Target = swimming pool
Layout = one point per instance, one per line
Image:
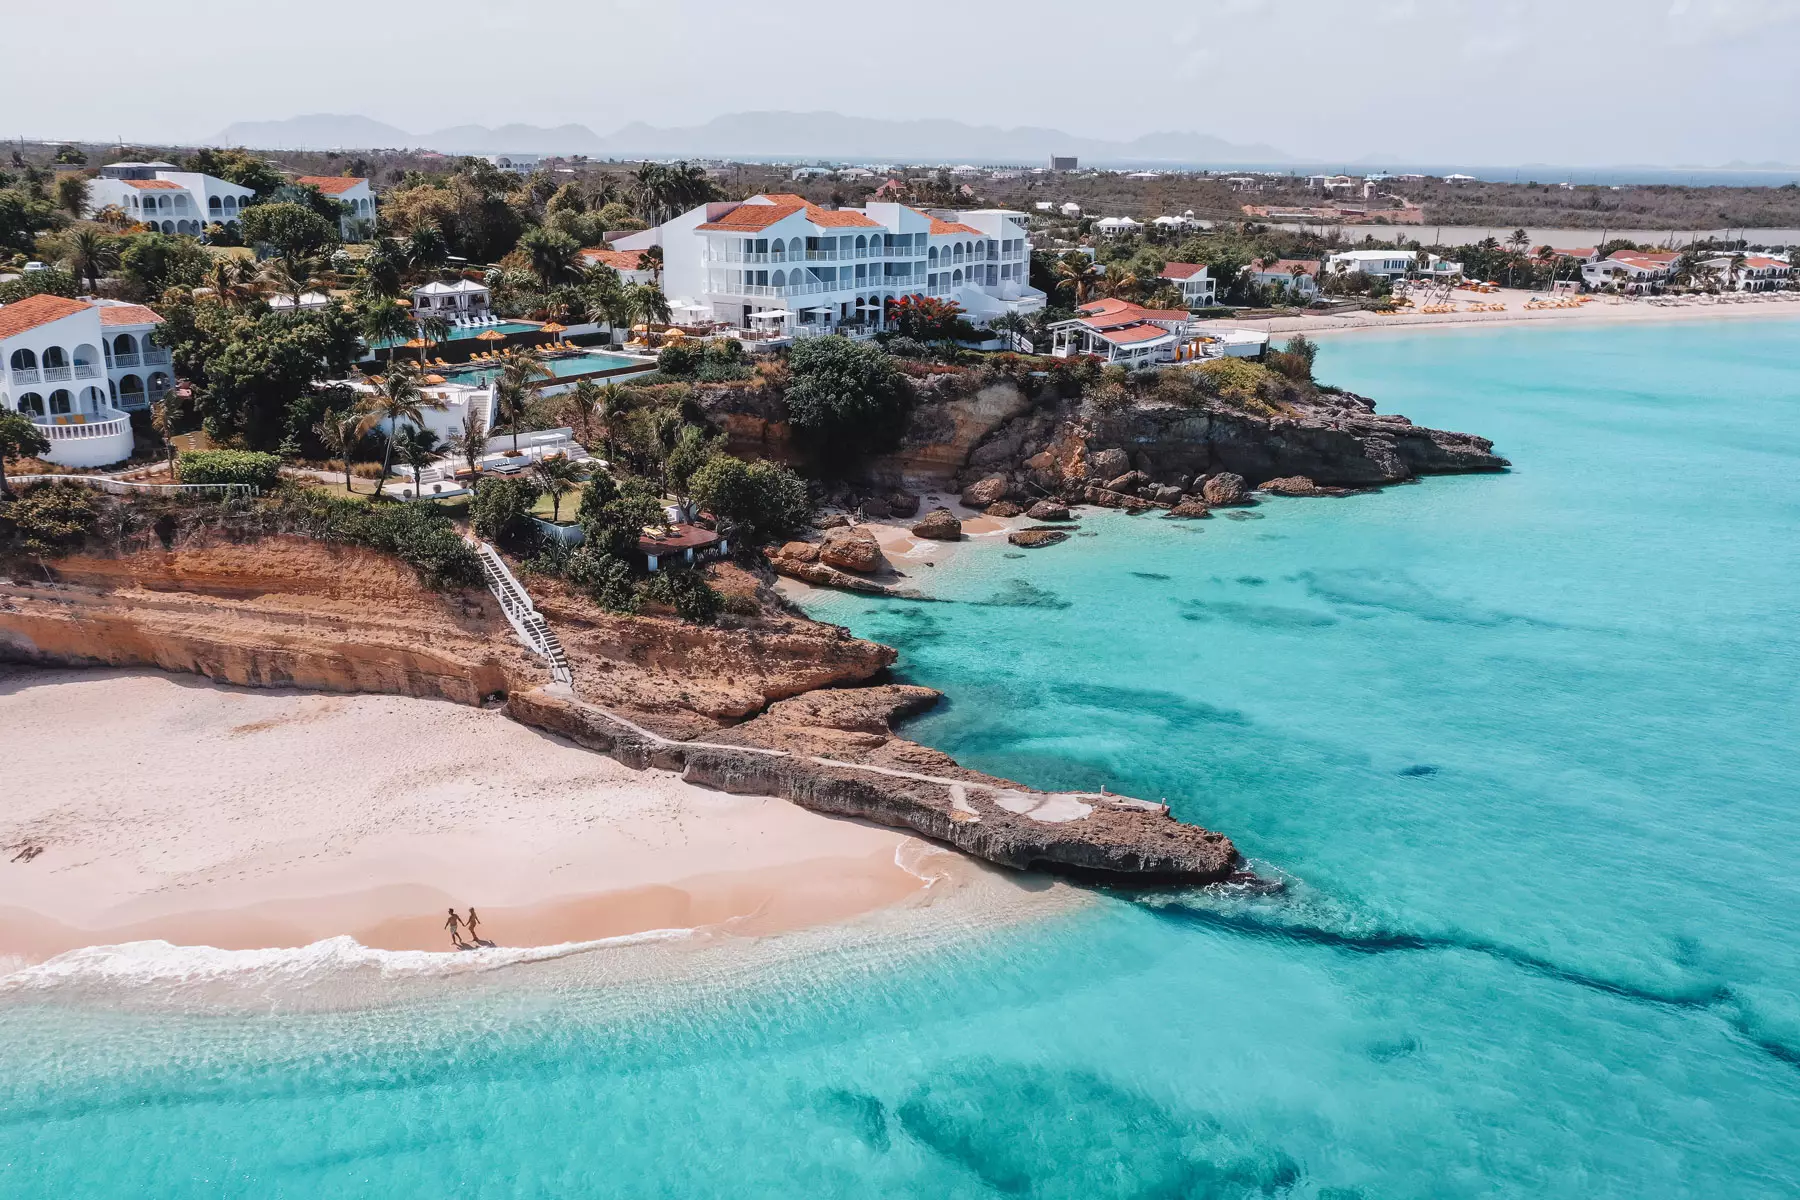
(464, 332)
(585, 363)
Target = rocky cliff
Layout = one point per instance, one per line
(766, 703)
(966, 426)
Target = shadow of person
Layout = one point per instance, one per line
(485, 944)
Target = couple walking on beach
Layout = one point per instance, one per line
(457, 925)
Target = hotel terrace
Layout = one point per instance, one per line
(803, 269)
(164, 197)
(77, 368)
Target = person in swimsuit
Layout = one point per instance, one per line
(454, 924)
(470, 925)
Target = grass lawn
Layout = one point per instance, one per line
(570, 504)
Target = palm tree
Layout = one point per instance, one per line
(1114, 285)
(382, 320)
(426, 249)
(337, 430)
(1015, 325)
(91, 253)
(558, 477)
(431, 329)
(396, 399)
(471, 442)
(517, 386)
(584, 401)
(418, 446)
(647, 301)
(1079, 277)
(294, 275)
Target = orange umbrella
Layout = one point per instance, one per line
(415, 344)
(491, 335)
(552, 327)
(435, 379)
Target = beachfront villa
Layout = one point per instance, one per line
(1756, 273)
(1198, 288)
(164, 197)
(1392, 264)
(1630, 270)
(458, 301)
(1298, 276)
(1118, 331)
(357, 222)
(798, 269)
(78, 368)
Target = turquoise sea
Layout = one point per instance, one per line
(1523, 746)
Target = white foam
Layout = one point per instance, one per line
(151, 963)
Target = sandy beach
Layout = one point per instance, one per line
(1599, 310)
(149, 806)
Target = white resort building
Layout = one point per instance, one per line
(1198, 288)
(1391, 264)
(162, 196)
(810, 270)
(1117, 331)
(1755, 273)
(77, 368)
(357, 222)
(1299, 276)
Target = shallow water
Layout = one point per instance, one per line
(1522, 744)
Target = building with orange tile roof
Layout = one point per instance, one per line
(783, 262)
(77, 368)
(357, 221)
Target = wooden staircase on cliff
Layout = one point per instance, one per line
(533, 632)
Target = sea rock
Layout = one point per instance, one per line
(1048, 510)
(876, 509)
(1224, 489)
(1107, 464)
(903, 504)
(1167, 495)
(1131, 481)
(799, 551)
(851, 549)
(1031, 539)
(1190, 507)
(1003, 509)
(1292, 485)
(986, 491)
(1300, 485)
(834, 521)
(938, 525)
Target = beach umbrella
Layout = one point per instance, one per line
(490, 335)
(435, 379)
(552, 327)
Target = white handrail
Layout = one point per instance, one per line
(106, 484)
(533, 632)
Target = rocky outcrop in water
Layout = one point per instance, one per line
(851, 548)
(939, 525)
(1032, 539)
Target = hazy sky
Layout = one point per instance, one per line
(1587, 82)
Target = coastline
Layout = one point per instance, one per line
(249, 819)
(1601, 311)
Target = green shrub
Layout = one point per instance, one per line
(50, 520)
(678, 360)
(418, 534)
(766, 499)
(501, 509)
(686, 591)
(230, 466)
(605, 578)
(846, 399)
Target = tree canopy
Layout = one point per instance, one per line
(846, 399)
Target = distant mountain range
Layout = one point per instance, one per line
(780, 136)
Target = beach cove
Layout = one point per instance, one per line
(1518, 744)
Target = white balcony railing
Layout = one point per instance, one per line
(102, 425)
(126, 360)
(86, 371)
(156, 358)
(57, 374)
(23, 375)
